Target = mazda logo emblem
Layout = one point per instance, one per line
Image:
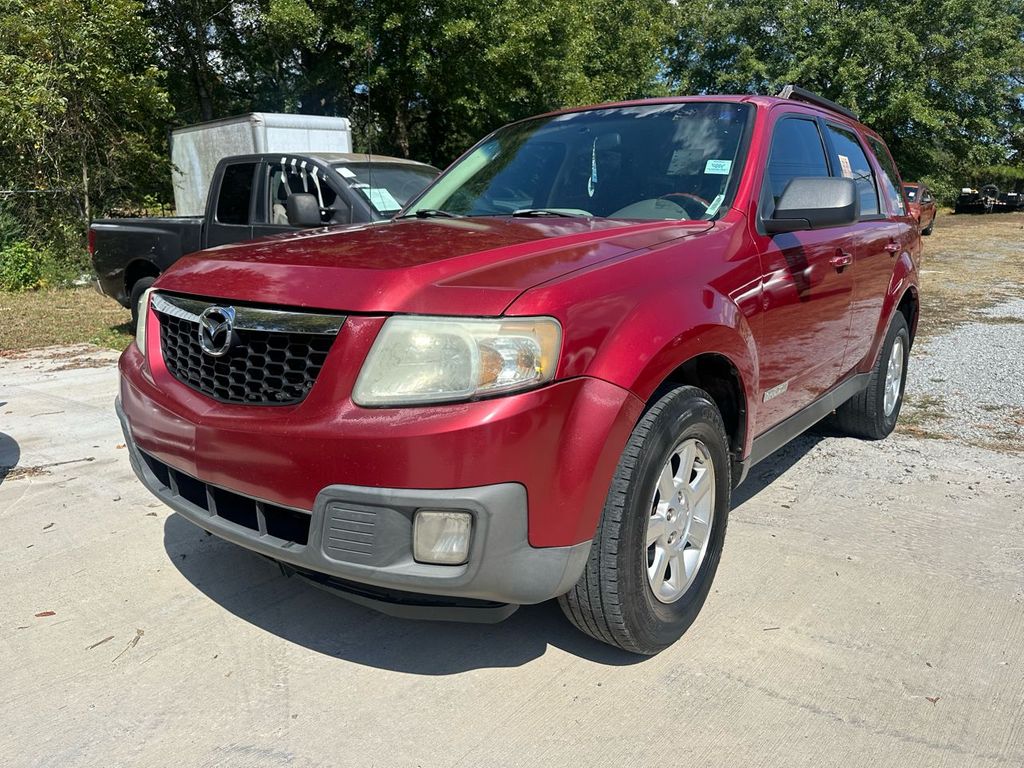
(217, 330)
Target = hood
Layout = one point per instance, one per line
(466, 266)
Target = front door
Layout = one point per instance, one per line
(807, 285)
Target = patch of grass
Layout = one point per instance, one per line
(922, 416)
(970, 263)
(62, 316)
(1000, 320)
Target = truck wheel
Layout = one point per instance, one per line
(872, 412)
(660, 536)
(931, 226)
(141, 285)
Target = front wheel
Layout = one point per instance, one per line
(141, 285)
(661, 532)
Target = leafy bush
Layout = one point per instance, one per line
(20, 267)
(11, 228)
(24, 267)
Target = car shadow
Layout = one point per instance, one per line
(255, 590)
(10, 454)
(777, 464)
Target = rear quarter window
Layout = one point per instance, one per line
(235, 194)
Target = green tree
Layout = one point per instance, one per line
(938, 78)
(422, 79)
(83, 115)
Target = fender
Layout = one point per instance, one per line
(634, 321)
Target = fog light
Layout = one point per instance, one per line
(441, 537)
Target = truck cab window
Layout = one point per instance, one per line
(285, 180)
(796, 151)
(235, 194)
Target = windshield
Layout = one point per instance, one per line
(911, 193)
(387, 187)
(666, 161)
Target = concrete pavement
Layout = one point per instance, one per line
(869, 610)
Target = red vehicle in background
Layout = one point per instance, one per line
(544, 378)
(922, 206)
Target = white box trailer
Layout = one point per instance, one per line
(196, 149)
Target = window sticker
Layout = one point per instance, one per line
(715, 205)
(718, 167)
(844, 164)
(346, 172)
(381, 199)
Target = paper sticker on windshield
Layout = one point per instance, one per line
(718, 167)
(715, 205)
(346, 172)
(844, 165)
(381, 199)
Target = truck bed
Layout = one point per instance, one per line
(120, 245)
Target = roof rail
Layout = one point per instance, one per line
(796, 93)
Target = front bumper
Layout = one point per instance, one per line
(503, 568)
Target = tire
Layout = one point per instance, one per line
(141, 285)
(614, 601)
(866, 414)
(931, 226)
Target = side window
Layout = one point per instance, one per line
(285, 180)
(235, 194)
(852, 163)
(796, 151)
(889, 176)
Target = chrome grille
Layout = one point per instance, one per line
(274, 358)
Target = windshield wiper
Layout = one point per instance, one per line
(432, 213)
(566, 213)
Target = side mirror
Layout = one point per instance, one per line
(814, 202)
(303, 210)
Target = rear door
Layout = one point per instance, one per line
(806, 290)
(229, 212)
(874, 241)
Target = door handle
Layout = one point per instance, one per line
(892, 247)
(841, 259)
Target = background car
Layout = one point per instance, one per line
(922, 205)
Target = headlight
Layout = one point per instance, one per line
(439, 359)
(143, 315)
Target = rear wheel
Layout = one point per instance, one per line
(660, 537)
(141, 285)
(930, 227)
(872, 412)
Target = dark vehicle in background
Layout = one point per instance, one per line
(977, 201)
(251, 196)
(1011, 201)
(922, 206)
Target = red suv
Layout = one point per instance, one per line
(546, 376)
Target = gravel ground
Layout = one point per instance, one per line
(970, 381)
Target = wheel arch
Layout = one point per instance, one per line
(137, 269)
(717, 375)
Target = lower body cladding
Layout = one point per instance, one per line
(358, 542)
